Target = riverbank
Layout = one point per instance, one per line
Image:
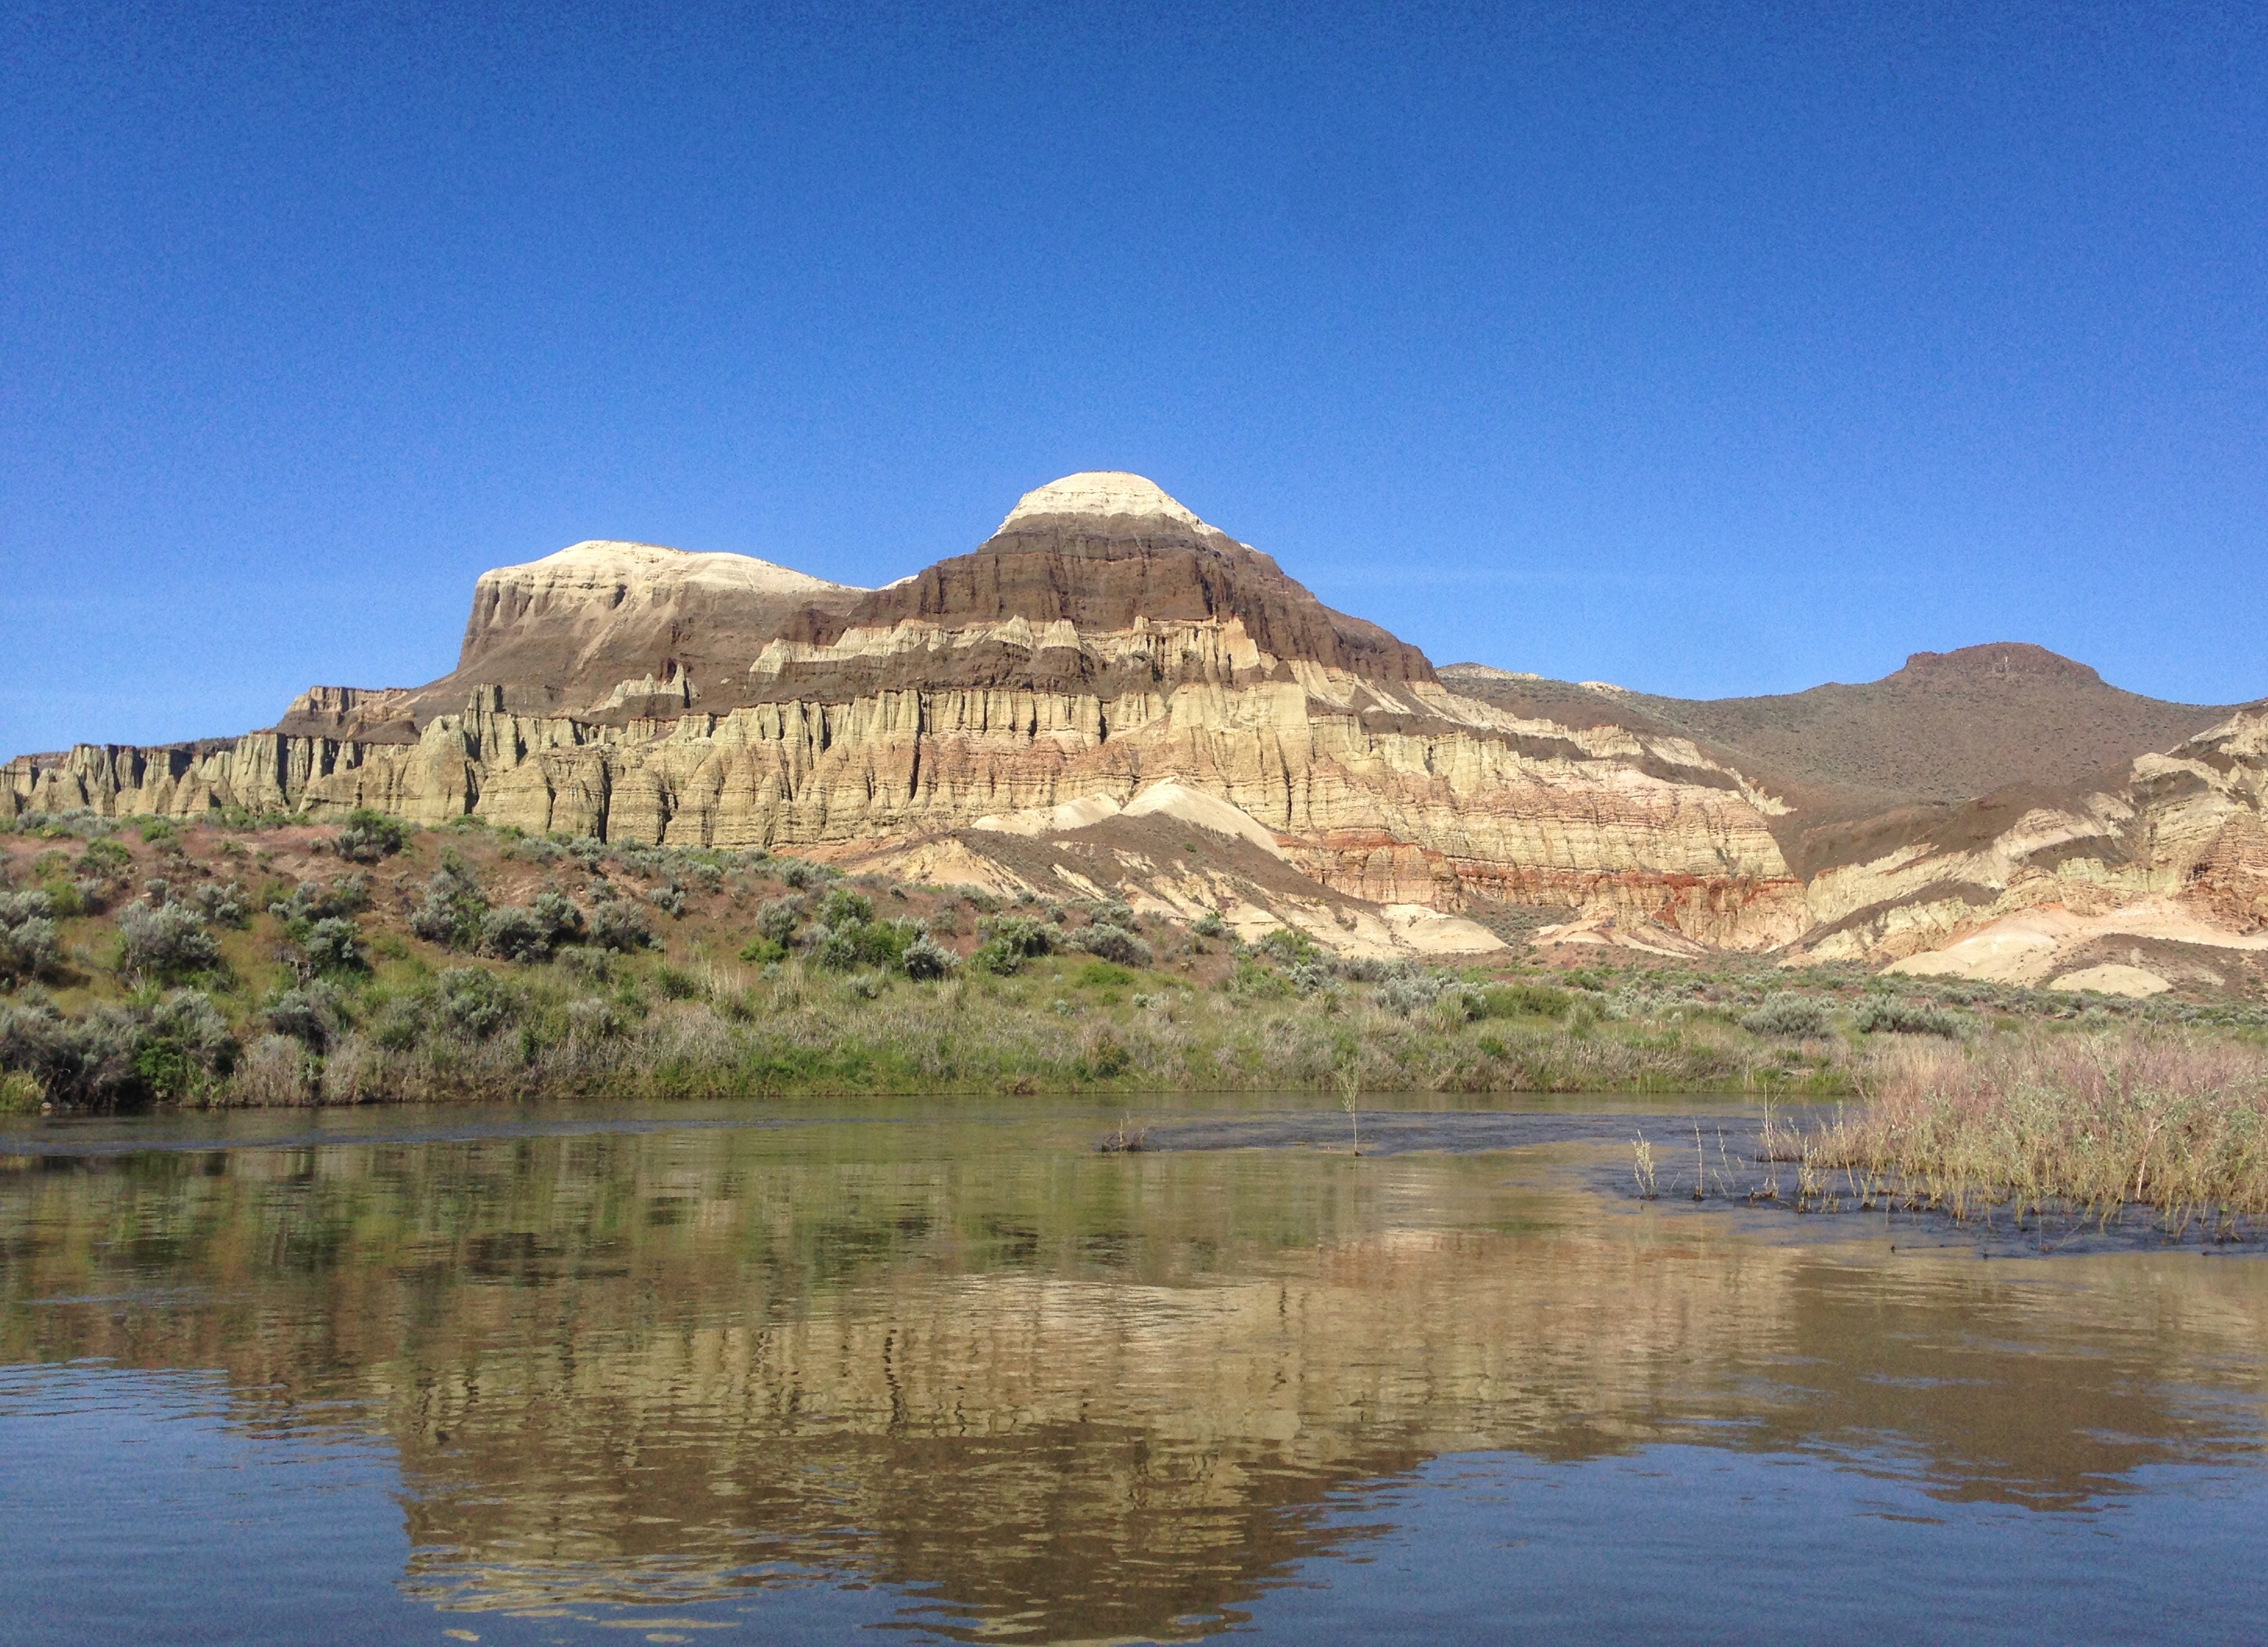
(272, 963)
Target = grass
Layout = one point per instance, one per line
(2097, 1124)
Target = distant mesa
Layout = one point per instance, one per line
(1110, 697)
(2000, 660)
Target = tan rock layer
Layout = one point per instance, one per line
(1419, 799)
(1435, 816)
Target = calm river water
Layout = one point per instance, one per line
(794, 1371)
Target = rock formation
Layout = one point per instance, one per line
(1105, 647)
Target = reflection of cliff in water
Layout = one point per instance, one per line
(1091, 1395)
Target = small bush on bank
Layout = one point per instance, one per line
(533, 934)
(1010, 940)
(309, 1014)
(926, 959)
(167, 1047)
(183, 1047)
(618, 925)
(346, 896)
(470, 1002)
(777, 920)
(863, 943)
(1796, 1016)
(335, 944)
(368, 836)
(29, 941)
(166, 941)
(1116, 944)
(1895, 1017)
(1515, 1000)
(223, 906)
(453, 906)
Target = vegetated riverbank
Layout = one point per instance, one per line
(274, 962)
(2036, 1125)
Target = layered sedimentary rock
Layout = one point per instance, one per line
(1106, 645)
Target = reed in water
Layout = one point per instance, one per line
(2096, 1122)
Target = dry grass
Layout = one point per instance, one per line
(2177, 1122)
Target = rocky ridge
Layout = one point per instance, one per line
(1106, 657)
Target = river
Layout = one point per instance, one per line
(795, 1371)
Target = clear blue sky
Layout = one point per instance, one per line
(1709, 350)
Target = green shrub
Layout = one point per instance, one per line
(308, 1013)
(1289, 945)
(453, 906)
(1027, 938)
(470, 1001)
(1798, 1017)
(926, 959)
(846, 907)
(618, 925)
(532, 934)
(184, 1047)
(776, 921)
(998, 955)
(1892, 1016)
(335, 944)
(1252, 982)
(21, 1093)
(367, 836)
(1115, 944)
(863, 943)
(29, 941)
(168, 941)
(108, 862)
(1514, 1000)
(115, 1055)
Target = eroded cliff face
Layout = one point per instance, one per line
(1396, 793)
(1104, 642)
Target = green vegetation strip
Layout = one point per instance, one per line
(270, 962)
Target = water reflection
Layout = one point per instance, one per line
(1053, 1393)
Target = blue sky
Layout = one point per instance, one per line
(1711, 349)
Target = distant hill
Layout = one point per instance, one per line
(1948, 727)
